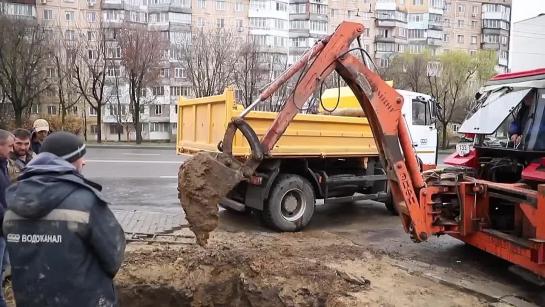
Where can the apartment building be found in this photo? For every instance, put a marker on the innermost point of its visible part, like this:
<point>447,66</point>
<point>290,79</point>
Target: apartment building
<point>282,30</point>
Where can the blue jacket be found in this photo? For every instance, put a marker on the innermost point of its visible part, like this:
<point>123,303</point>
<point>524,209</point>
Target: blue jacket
<point>65,244</point>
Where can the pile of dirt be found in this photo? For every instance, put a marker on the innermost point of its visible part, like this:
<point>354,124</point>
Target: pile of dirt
<point>273,270</point>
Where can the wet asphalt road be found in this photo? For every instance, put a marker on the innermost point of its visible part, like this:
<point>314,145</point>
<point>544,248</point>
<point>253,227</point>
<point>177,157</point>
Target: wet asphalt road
<point>145,179</point>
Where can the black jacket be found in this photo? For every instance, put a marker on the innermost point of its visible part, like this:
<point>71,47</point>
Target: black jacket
<point>65,244</point>
<point>4,183</point>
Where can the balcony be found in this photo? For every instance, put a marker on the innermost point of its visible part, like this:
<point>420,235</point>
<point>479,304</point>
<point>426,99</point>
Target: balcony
<point>112,5</point>
<point>386,23</point>
<point>435,25</point>
<point>435,42</point>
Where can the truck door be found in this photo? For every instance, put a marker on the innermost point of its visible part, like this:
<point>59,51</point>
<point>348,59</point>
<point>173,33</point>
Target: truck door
<point>419,114</point>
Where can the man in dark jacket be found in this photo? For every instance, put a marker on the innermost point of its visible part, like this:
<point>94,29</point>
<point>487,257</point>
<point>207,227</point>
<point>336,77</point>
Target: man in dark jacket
<point>64,242</point>
<point>6,146</point>
<point>21,154</point>
<point>40,130</point>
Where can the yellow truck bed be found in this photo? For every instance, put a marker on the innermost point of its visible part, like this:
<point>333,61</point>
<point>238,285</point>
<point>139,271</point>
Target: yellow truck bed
<point>202,123</point>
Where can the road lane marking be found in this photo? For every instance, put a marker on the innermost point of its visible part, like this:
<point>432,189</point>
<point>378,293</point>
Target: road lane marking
<point>134,161</point>
<point>141,154</point>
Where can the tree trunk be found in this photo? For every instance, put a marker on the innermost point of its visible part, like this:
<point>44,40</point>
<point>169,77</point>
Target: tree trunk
<point>138,128</point>
<point>444,140</point>
<point>63,117</point>
<point>99,124</point>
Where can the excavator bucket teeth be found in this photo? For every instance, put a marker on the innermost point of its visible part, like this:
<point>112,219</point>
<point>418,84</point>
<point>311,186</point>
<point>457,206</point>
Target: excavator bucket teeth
<point>203,181</point>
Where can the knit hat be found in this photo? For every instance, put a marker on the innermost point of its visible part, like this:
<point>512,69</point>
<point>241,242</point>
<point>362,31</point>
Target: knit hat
<point>66,145</point>
<point>40,125</point>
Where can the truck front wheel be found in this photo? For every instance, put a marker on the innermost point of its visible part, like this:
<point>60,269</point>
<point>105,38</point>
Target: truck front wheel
<point>291,203</point>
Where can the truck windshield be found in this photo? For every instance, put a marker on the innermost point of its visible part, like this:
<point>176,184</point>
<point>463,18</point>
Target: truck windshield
<point>490,113</point>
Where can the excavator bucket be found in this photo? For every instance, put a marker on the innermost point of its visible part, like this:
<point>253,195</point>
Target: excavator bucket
<point>203,181</point>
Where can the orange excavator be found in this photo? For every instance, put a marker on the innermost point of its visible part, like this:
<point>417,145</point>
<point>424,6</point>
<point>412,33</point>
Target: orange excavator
<point>436,202</point>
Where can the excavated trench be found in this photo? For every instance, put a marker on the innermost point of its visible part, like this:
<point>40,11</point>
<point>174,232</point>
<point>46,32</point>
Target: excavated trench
<point>232,277</point>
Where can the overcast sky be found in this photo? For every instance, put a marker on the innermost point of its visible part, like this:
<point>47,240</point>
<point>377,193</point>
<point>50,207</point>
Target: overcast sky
<point>523,9</point>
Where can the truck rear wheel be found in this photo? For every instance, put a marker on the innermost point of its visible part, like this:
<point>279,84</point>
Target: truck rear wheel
<point>389,203</point>
<point>291,203</point>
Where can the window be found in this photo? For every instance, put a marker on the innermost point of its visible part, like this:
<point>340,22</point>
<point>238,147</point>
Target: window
<point>240,25</point>
<point>201,4</point>
<point>461,8</point>
<point>460,39</point>
<point>157,109</point>
<point>279,24</point>
<point>48,14</point>
<point>179,72</point>
<point>220,23</point>
<point>475,10</point>
<point>69,15</point>
<point>115,109</point>
<point>491,38</point>
<point>91,16</point>
<point>220,5</point>
<point>474,40</point>
<point>176,91</point>
<point>418,2</point>
<point>50,72</point>
<point>416,18</point>
<point>503,40</point>
<point>143,92</point>
<point>318,26</point>
<point>473,24</point>
<point>116,129</point>
<point>92,54</point>
<point>239,7</point>
<point>316,8</point>
<point>92,111</point>
<point>94,129</point>
<point>159,127</point>
<point>91,35</point>
<point>386,47</point>
<point>460,23</point>
<point>299,24</point>
<point>51,110</point>
<point>421,114</point>
<point>258,22</point>
<point>69,35</point>
<point>112,71</point>
<point>114,53</point>
<point>35,109</point>
<point>416,33</point>
<point>472,52</point>
<point>281,7</point>
<point>445,37</point>
<point>158,91</point>
<point>164,73</point>
<point>200,22</point>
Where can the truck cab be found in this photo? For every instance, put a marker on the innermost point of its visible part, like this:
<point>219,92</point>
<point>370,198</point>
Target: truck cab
<point>418,111</point>
<point>506,129</point>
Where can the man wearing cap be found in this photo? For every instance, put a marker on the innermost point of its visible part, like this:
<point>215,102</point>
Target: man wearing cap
<point>40,129</point>
<point>64,242</point>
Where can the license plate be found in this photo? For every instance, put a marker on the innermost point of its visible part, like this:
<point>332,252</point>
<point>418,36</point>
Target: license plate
<point>463,149</point>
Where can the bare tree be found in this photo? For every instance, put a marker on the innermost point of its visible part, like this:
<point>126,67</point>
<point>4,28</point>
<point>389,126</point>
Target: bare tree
<point>209,59</point>
<point>449,85</point>
<point>90,69</point>
<point>408,71</point>
<point>141,52</point>
<point>248,73</point>
<point>63,58</point>
<point>22,63</point>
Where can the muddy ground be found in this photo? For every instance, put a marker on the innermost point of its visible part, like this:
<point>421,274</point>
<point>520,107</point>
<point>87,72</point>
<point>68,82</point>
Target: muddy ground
<point>313,268</point>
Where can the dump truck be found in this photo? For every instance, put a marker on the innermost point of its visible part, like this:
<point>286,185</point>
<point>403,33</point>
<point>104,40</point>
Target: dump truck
<point>327,157</point>
<point>460,201</point>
